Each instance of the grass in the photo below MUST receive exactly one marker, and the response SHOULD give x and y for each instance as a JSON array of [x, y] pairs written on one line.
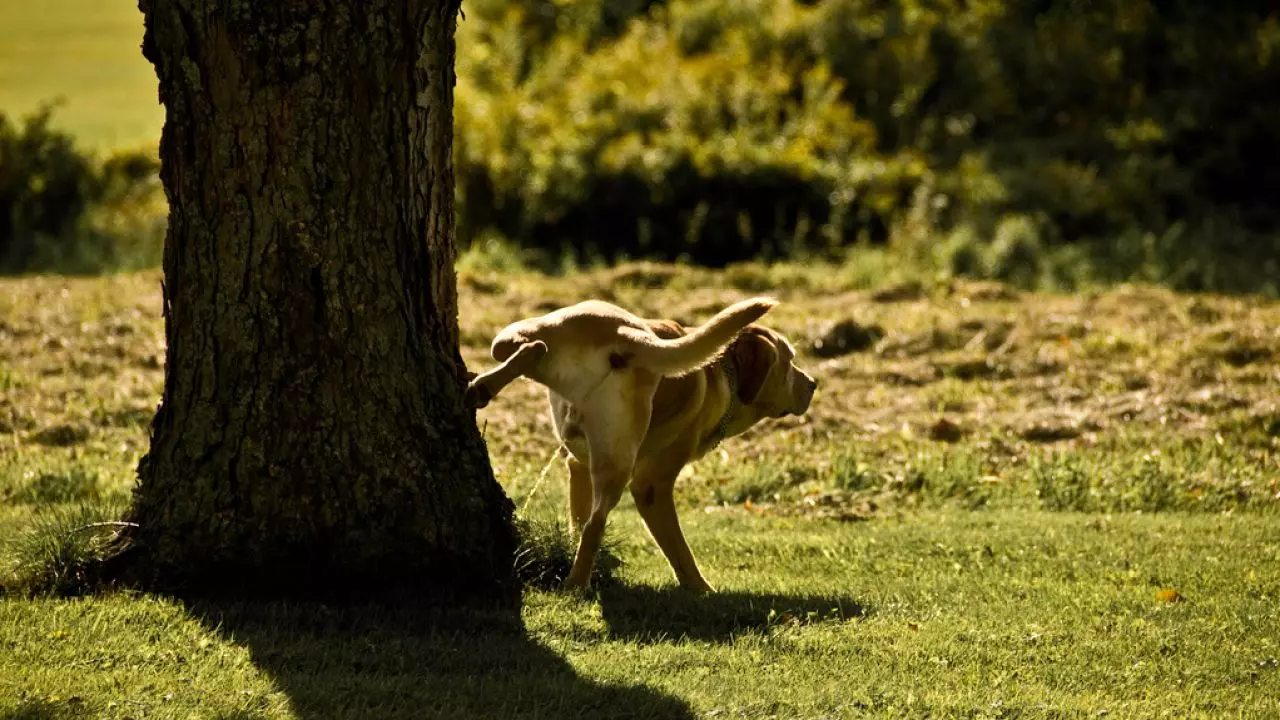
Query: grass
[[1008, 505], [943, 614], [88, 54], [1001, 505]]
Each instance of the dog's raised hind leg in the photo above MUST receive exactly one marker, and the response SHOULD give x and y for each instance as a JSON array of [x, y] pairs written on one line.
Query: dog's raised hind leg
[[485, 386]]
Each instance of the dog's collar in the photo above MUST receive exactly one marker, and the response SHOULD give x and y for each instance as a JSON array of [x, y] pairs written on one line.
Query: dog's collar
[[721, 430]]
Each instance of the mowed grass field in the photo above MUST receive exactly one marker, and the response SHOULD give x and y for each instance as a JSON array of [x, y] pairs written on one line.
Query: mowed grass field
[[88, 53], [1000, 505]]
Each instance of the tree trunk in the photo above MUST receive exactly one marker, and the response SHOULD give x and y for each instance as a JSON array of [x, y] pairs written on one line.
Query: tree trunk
[[312, 432]]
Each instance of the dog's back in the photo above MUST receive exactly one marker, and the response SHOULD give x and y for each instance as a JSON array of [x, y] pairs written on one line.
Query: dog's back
[[593, 342]]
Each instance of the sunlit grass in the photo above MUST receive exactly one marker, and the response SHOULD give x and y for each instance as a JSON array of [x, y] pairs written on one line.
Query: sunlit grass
[[941, 614], [87, 53], [1009, 504]]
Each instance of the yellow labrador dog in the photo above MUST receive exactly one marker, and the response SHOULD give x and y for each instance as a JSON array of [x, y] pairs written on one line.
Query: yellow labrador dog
[[635, 400]]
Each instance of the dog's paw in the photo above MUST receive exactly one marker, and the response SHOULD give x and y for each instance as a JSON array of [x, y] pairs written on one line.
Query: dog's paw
[[477, 396], [575, 583], [696, 585]]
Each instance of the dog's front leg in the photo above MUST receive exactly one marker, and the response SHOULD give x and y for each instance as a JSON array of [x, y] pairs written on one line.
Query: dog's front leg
[[653, 489]]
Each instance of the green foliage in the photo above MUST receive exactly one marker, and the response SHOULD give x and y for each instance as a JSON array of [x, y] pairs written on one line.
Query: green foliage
[[62, 210], [722, 130], [739, 151]]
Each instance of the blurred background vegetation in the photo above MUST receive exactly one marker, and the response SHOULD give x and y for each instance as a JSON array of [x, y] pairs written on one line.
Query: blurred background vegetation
[[1047, 143], [61, 209]]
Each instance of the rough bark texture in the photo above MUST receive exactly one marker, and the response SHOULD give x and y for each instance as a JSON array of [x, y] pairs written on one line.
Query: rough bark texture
[[312, 429]]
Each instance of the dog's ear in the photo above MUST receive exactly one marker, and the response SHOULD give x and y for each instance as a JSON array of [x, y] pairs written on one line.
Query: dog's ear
[[754, 354]]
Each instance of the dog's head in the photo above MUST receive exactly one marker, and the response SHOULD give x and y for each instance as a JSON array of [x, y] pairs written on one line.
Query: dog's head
[[769, 383]]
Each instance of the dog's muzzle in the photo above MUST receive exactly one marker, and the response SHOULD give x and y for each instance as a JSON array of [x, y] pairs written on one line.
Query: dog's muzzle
[[807, 387]]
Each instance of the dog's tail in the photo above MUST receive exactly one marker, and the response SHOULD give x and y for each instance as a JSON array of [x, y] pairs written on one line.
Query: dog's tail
[[683, 355]]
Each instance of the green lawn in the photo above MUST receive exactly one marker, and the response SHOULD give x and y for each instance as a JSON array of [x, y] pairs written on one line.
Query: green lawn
[[992, 614], [87, 53], [1091, 532]]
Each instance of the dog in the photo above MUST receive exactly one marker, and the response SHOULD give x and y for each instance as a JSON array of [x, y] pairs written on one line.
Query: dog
[[633, 401]]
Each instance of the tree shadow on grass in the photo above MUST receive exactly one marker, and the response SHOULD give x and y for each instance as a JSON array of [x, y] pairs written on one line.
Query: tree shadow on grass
[[658, 614], [37, 709], [402, 660]]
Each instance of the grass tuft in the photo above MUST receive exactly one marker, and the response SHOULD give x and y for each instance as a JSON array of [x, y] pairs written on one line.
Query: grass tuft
[[546, 551], [61, 550]]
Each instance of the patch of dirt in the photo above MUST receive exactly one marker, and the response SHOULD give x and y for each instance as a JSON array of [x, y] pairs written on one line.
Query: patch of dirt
[[902, 292], [946, 430], [976, 369], [908, 378], [1043, 433], [61, 436], [650, 276], [843, 337], [547, 305], [481, 286], [1203, 313], [838, 505], [1247, 354], [986, 291], [1212, 400]]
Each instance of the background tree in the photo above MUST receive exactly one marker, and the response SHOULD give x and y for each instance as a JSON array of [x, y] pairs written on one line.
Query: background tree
[[312, 431]]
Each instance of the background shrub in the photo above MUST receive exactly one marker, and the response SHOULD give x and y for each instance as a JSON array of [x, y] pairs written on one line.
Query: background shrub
[[62, 210], [1050, 143], [718, 130]]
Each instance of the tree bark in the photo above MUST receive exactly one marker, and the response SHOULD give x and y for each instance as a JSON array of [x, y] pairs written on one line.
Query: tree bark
[[312, 431]]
